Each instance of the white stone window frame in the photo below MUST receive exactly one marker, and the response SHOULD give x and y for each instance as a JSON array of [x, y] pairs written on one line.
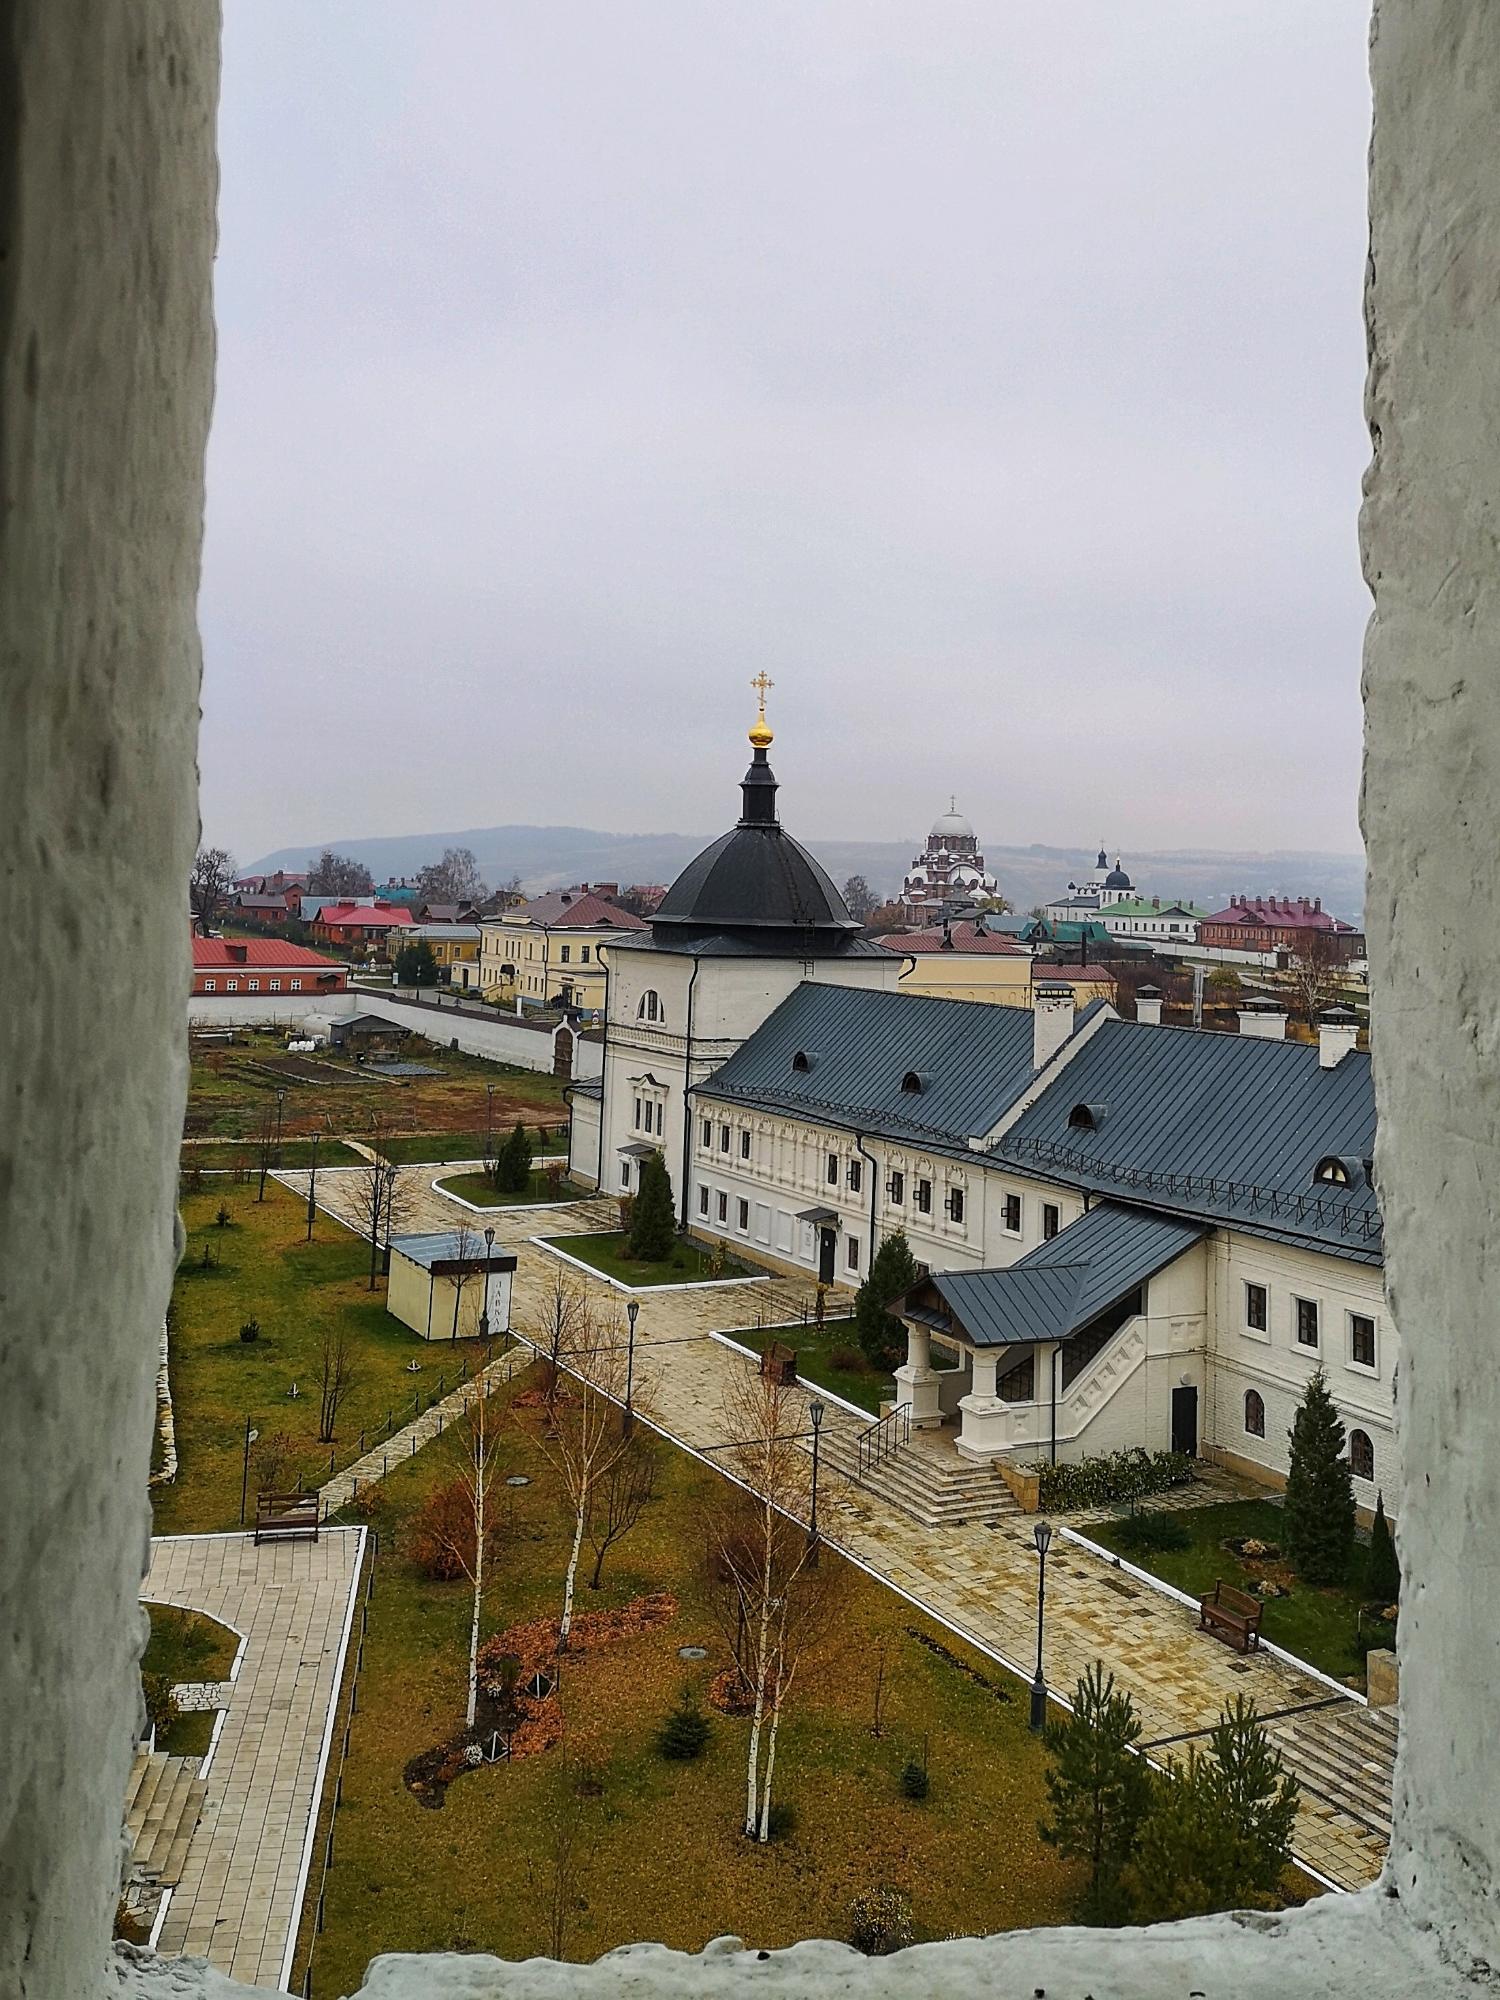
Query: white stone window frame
[[1009, 1200], [1299, 1345], [1260, 1334], [210, 985], [1370, 1370], [703, 1192], [742, 1214]]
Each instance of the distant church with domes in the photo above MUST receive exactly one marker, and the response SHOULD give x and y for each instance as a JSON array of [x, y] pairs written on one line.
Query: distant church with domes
[[949, 873], [1099, 891]]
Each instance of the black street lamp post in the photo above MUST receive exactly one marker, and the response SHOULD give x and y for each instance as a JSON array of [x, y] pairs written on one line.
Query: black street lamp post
[[312, 1187], [1042, 1535], [484, 1310], [631, 1312], [815, 1411], [250, 1436]]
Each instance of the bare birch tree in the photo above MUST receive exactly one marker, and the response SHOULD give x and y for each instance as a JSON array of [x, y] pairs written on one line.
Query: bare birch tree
[[586, 1439], [481, 1462], [465, 1249], [620, 1497], [556, 1335], [776, 1604]]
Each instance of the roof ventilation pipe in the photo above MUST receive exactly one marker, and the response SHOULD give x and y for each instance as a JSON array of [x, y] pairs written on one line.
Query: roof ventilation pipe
[[1265, 1020], [1338, 1033], [1052, 1019], [1148, 1005]]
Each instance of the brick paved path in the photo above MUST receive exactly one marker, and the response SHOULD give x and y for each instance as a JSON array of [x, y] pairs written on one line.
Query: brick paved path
[[980, 1580], [238, 1900]]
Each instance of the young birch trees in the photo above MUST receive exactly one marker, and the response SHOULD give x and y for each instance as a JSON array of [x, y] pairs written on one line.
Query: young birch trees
[[775, 1603], [477, 1476]]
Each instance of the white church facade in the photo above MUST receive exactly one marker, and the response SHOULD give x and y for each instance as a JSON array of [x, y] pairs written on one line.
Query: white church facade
[[1132, 1234]]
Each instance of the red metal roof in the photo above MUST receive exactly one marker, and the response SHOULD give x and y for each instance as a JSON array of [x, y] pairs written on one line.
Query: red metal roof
[[571, 909], [1281, 913], [212, 954], [966, 938], [365, 915]]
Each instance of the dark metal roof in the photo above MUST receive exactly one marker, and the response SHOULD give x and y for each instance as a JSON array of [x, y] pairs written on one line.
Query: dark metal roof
[[974, 1057], [439, 1247], [1225, 1127], [756, 879], [752, 944], [1063, 1286]]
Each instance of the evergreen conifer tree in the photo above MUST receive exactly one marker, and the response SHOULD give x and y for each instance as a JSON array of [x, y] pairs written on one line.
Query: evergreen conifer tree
[[653, 1225], [513, 1163], [1099, 1790], [1385, 1570], [685, 1733], [892, 1271], [1319, 1495]]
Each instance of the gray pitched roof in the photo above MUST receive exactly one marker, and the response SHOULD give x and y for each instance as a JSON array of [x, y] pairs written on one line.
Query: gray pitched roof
[[1225, 1127], [971, 1060], [1063, 1286], [441, 1247]]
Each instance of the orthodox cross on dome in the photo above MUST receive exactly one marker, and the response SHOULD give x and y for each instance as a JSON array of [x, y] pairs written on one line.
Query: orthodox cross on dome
[[760, 733]]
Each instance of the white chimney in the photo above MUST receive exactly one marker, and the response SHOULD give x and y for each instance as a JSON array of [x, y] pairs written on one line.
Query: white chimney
[[1148, 1005], [1052, 1005], [1263, 1019], [1338, 1033]]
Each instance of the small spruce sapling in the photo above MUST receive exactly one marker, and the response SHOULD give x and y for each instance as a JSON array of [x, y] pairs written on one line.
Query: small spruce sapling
[[1385, 1569]]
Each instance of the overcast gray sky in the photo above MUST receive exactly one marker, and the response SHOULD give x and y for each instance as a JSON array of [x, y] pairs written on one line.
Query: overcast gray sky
[[989, 374]]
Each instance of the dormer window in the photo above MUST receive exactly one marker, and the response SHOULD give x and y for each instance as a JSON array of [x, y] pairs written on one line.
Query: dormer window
[[1340, 1170], [802, 1062], [913, 1083], [1086, 1117]]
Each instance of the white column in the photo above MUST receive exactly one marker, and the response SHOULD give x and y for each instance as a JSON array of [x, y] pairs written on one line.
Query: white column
[[984, 1420], [917, 1381]]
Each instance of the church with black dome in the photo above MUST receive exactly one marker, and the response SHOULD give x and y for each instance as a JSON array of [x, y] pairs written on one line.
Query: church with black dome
[[747, 921]]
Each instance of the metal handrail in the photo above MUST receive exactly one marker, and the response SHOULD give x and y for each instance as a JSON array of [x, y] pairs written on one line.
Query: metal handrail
[[883, 1439]]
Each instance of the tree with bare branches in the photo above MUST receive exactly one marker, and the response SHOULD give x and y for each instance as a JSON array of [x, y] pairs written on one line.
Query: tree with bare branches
[[555, 1336], [466, 1247], [585, 1440], [209, 885], [336, 1377], [380, 1196], [1315, 967], [775, 1602], [620, 1497], [477, 1475]]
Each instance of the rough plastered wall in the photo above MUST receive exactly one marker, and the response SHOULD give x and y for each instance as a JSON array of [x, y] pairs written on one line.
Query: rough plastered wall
[[1431, 808], [107, 185]]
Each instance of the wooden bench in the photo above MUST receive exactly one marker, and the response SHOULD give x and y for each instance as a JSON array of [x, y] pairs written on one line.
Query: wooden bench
[[1233, 1615], [779, 1364], [286, 1516]]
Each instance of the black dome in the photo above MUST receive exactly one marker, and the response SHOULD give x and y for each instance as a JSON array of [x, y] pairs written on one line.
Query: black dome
[[756, 878]]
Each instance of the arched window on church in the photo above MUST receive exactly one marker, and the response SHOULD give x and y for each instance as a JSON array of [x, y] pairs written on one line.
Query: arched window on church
[[1255, 1414], [651, 1008], [1361, 1455]]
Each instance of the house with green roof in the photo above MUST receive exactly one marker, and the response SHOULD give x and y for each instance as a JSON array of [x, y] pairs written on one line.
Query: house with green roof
[[1152, 920]]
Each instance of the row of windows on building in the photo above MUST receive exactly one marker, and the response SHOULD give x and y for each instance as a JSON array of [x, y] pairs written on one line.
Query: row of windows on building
[[714, 1207], [252, 986], [1361, 1446], [1306, 1326]]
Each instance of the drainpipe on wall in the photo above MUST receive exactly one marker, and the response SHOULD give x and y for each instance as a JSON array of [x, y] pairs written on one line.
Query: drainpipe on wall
[[603, 1082], [859, 1147], [687, 1100], [1054, 1402]]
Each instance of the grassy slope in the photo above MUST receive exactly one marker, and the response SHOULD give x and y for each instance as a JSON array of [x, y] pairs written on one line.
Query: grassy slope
[[297, 1291], [666, 1859], [863, 1385], [607, 1253], [1317, 1625]]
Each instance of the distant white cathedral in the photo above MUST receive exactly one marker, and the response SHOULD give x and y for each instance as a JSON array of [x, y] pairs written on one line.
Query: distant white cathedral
[[949, 872]]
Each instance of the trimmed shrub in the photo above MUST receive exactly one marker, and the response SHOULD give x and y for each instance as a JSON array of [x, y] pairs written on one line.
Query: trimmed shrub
[[685, 1733], [223, 1219], [442, 1535], [880, 1922], [161, 1704], [849, 1358], [914, 1781], [250, 1331], [1116, 1475]]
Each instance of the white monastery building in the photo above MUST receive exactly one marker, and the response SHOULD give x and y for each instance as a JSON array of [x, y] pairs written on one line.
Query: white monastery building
[[1133, 1234]]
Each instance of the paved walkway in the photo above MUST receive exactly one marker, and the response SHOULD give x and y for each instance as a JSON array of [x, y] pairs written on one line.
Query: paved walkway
[[406, 1443], [980, 1580], [240, 1891]]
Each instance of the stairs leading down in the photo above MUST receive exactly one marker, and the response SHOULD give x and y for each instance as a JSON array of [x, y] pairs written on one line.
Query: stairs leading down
[[930, 1482]]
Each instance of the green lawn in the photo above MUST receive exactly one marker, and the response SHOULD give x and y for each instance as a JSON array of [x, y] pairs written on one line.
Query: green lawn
[[187, 1646], [243, 1155], [1317, 1625], [851, 1376], [660, 1851], [298, 1291], [687, 1265], [481, 1189], [416, 1149]]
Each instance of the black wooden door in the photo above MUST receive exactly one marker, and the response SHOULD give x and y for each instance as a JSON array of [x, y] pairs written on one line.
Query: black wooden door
[[1185, 1421], [826, 1241]]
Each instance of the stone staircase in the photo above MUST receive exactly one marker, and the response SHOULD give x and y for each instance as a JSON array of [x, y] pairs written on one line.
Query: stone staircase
[[1344, 1754], [933, 1486], [162, 1806]]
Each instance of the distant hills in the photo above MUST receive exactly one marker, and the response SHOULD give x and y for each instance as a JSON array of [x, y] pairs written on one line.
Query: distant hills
[[550, 857]]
